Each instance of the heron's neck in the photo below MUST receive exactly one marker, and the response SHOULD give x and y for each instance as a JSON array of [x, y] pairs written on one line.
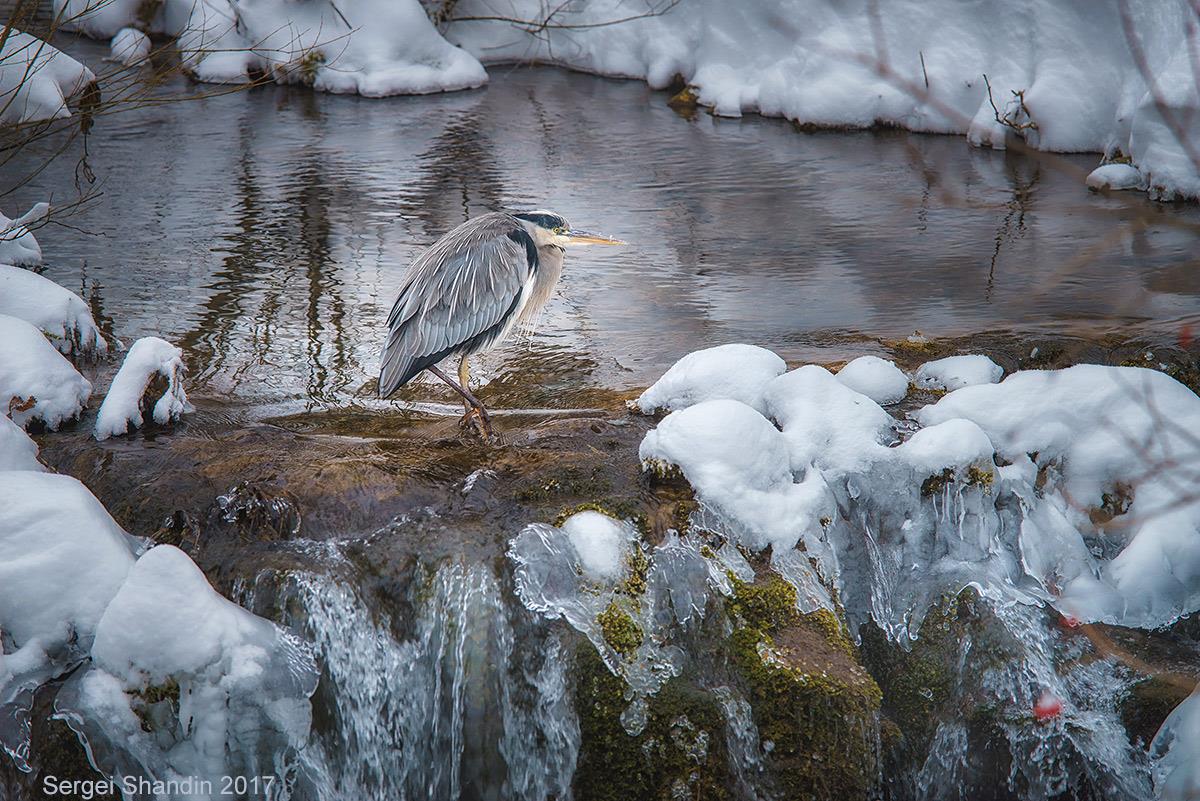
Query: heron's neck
[[550, 266]]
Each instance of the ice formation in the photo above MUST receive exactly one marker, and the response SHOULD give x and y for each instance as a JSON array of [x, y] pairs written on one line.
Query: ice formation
[[955, 372], [369, 47], [1082, 86], [36, 382], [1068, 489], [58, 312], [36, 80], [122, 406], [737, 372], [129, 47], [600, 542], [17, 243], [878, 379]]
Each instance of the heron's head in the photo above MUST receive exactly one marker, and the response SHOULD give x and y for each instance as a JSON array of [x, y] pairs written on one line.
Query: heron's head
[[548, 228]]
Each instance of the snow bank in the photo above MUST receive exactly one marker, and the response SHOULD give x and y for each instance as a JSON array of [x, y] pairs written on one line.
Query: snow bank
[[1115, 176], [735, 372], [58, 312], [129, 47], [36, 80], [122, 407], [369, 47], [17, 244], [812, 61], [878, 379], [955, 372], [17, 450], [36, 382]]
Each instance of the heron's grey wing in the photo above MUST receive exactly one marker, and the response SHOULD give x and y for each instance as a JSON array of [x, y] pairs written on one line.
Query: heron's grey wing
[[461, 294]]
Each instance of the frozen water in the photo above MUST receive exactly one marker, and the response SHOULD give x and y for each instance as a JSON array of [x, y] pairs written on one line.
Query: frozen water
[[122, 407], [600, 542], [878, 379]]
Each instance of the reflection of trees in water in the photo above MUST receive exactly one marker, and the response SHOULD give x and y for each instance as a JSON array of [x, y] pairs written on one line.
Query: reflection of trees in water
[[252, 319], [1024, 175], [459, 177]]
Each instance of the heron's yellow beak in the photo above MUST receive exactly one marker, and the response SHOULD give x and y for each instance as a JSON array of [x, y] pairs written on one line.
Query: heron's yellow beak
[[588, 238]]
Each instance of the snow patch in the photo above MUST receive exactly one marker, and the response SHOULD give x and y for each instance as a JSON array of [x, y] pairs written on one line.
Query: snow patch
[[955, 372], [36, 79], [58, 312], [601, 544], [36, 382], [122, 407], [735, 372], [130, 47], [1115, 176], [17, 450], [879, 379], [17, 243]]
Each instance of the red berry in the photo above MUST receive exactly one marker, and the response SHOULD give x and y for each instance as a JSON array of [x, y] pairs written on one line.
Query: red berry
[[1049, 706]]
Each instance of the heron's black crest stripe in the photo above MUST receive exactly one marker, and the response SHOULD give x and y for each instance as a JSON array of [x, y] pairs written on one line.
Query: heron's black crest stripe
[[522, 237], [550, 221]]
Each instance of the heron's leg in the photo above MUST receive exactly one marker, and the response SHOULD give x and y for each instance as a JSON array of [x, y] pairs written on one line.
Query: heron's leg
[[484, 419], [464, 380]]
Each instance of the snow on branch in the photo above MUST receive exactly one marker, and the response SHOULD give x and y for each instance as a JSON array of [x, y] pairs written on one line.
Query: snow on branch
[[150, 357]]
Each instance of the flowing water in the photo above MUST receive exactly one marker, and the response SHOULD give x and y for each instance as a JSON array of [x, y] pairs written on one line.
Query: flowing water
[[265, 231]]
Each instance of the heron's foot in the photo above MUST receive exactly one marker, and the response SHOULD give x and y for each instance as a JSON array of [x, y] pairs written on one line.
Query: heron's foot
[[478, 420]]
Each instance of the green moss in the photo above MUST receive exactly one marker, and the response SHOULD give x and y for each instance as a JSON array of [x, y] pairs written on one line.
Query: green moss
[[936, 484], [680, 754], [661, 470], [637, 568], [978, 477], [309, 64], [620, 630], [145, 702], [810, 698]]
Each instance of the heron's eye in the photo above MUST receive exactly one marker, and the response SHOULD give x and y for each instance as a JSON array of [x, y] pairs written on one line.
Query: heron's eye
[[560, 230]]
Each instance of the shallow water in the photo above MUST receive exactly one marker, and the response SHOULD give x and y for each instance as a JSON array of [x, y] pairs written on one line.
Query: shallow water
[[267, 230]]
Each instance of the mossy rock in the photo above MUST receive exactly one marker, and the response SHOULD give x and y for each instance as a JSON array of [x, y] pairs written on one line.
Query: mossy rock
[[815, 706], [1147, 706], [680, 754], [620, 630]]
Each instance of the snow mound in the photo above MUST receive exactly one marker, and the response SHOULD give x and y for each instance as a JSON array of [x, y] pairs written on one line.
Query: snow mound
[[601, 543], [1115, 176], [130, 47], [36, 382], [735, 372], [955, 372], [17, 243], [36, 79], [373, 48], [122, 407], [1082, 85], [1177, 745], [878, 379], [60, 313], [17, 450]]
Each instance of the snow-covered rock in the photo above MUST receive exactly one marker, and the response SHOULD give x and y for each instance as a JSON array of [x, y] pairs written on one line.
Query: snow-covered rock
[[17, 450], [1177, 745], [17, 243], [955, 372], [814, 61], [878, 379], [36, 381], [58, 312], [735, 372], [601, 543], [36, 80], [129, 47], [1115, 176], [369, 47], [122, 406]]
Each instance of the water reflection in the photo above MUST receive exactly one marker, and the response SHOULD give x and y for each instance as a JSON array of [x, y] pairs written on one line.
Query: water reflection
[[266, 231]]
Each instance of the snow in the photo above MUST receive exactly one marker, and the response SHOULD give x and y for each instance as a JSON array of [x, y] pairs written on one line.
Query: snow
[[1115, 176], [600, 542], [36, 79], [812, 61], [122, 407], [878, 379], [36, 382], [955, 372], [17, 450], [1177, 744], [130, 47], [735, 372], [58, 312], [374, 48], [17, 243]]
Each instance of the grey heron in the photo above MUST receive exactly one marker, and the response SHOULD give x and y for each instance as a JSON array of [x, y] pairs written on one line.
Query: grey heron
[[466, 292]]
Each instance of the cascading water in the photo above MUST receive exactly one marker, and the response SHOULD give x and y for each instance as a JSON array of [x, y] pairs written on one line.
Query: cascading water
[[431, 697]]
